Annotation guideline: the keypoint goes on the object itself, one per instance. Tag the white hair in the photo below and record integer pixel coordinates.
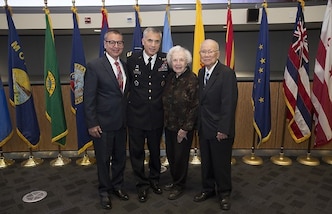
(178, 48)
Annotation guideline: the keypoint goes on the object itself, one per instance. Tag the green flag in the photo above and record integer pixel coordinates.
(53, 95)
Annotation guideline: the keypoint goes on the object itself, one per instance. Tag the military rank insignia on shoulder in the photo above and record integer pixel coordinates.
(129, 53)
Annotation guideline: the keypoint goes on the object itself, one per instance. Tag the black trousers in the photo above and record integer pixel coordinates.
(178, 156)
(111, 147)
(137, 139)
(216, 160)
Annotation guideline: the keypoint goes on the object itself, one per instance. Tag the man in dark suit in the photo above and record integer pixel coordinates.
(105, 101)
(218, 95)
(147, 71)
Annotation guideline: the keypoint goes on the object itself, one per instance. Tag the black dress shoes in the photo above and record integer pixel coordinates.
(105, 202)
(142, 196)
(122, 195)
(175, 193)
(156, 189)
(225, 203)
(203, 196)
(169, 187)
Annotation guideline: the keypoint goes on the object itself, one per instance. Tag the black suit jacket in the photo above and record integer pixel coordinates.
(145, 108)
(218, 100)
(104, 103)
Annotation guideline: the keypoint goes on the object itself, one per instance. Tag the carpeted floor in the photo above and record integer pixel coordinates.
(267, 188)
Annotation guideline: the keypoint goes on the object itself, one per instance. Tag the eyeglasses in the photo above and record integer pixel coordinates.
(113, 43)
(209, 52)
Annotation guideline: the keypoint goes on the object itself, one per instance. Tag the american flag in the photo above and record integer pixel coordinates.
(296, 82)
(322, 83)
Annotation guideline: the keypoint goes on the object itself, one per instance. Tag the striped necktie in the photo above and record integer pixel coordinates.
(119, 75)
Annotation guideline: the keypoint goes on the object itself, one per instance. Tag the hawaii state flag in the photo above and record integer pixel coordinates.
(322, 83)
(296, 82)
(137, 36)
(27, 126)
(6, 129)
(261, 87)
(77, 71)
(53, 93)
(229, 52)
(104, 29)
(167, 36)
(199, 37)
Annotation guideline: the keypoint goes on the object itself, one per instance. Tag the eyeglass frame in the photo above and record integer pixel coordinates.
(113, 43)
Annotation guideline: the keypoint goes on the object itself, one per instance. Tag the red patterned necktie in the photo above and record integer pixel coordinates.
(119, 75)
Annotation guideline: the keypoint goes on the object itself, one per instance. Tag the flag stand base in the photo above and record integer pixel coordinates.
(233, 161)
(281, 160)
(195, 160)
(5, 162)
(85, 160)
(252, 160)
(60, 161)
(307, 160)
(32, 162)
(164, 161)
(327, 159)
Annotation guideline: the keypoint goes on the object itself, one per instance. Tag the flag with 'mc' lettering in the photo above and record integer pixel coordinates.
(27, 127)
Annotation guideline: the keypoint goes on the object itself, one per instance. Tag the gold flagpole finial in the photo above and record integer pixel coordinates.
(169, 2)
(6, 4)
(73, 2)
(45, 2)
(229, 4)
(264, 4)
(103, 3)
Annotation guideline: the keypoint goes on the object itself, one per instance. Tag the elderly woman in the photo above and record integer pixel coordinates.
(180, 100)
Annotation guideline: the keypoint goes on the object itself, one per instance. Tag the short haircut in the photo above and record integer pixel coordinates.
(178, 48)
(151, 29)
(112, 31)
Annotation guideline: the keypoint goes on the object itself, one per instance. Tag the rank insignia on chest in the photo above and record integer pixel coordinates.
(136, 70)
(136, 83)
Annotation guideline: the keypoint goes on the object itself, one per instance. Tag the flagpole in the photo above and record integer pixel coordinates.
(281, 159)
(3, 161)
(32, 161)
(253, 159)
(307, 159)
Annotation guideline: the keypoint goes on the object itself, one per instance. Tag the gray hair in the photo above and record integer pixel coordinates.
(153, 30)
(178, 48)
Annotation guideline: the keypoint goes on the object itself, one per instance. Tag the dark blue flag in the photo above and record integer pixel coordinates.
(261, 85)
(77, 71)
(6, 129)
(137, 36)
(26, 118)
(104, 29)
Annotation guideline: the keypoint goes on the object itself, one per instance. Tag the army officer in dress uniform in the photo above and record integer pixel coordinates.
(148, 70)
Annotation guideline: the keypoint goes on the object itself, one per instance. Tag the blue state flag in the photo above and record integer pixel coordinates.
(6, 129)
(167, 36)
(104, 29)
(261, 85)
(137, 36)
(26, 118)
(77, 71)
